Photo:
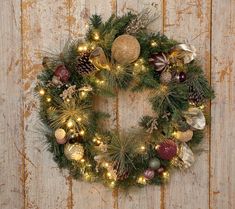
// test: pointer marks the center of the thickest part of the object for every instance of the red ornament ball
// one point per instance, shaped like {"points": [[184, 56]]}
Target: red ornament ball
{"points": [[149, 174], [62, 73], [167, 149]]}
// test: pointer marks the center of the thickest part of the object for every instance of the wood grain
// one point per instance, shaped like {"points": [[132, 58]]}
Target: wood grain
{"points": [[44, 28], [222, 182], [189, 21], [11, 138], [93, 195]]}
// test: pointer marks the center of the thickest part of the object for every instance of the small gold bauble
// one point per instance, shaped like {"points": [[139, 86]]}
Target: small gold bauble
{"points": [[125, 49], [60, 136], [74, 151], [184, 136]]}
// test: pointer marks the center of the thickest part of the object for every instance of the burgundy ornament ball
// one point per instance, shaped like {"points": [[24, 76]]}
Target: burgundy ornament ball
{"points": [[149, 174], [181, 76], [62, 73], [167, 149]]}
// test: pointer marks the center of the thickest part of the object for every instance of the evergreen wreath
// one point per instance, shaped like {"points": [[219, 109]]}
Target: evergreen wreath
{"points": [[121, 54]]}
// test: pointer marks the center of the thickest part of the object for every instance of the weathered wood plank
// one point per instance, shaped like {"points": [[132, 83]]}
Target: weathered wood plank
{"points": [[222, 182], [131, 107], [190, 21], [11, 149], [94, 195], [44, 28]]}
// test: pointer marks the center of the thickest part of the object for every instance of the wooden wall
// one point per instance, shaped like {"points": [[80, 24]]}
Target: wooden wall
{"points": [[29, 179]]}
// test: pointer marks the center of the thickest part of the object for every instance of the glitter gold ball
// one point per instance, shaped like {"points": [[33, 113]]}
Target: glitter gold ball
{"points": [[125, 49]]}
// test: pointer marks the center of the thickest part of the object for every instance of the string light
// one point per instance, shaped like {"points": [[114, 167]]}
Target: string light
{"points": [[174, 133], [69, 123], [166, 175], [82, 48], [141, 60], [106, 165], [96, 36], [157, 147], [112, 184], [142, 148], [83, 94], [136, 64], [82, 132], [48, 99], [67, 100], [109, 175], [42, 92], [79, 119], [100, 82], [87, 176], [153, 43], [202, 107], [119, 67], [82, 160], [141, 180]]}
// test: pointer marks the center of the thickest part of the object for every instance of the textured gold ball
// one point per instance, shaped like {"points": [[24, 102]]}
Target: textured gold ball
{"points": [[125, 49], [60, 136], [74, 151], [184, 136]]}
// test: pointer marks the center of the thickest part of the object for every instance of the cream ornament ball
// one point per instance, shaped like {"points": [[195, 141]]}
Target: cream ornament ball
{"points": [[60, 136], [125, 49]]}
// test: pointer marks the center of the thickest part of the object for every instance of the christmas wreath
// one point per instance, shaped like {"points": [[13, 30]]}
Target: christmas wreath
{"points": [[121, 54]]}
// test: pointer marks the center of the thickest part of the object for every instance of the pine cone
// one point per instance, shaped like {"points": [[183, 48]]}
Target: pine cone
{"points": [[84, 66], [121, 174], [195, 96]]}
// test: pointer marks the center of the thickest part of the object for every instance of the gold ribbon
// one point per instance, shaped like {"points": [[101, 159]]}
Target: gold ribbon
{"points": [[186, 52], [99, 59]]}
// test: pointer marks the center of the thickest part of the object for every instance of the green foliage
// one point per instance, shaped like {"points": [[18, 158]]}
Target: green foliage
{"points": [[197, 138], [172, 98], [168, 101], [198, 82]]}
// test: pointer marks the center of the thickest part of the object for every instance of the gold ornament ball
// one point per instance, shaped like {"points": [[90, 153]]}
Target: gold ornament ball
{"points": [[60, 136], [184, 136], [125, 49], [74, 151]]}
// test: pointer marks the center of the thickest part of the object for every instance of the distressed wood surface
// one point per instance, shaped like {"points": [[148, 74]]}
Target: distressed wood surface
{"points": [[84, 193], [189, 21], [11, 138], [131, 107], [222, 169], [29, 179], [44, 27]]}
